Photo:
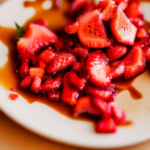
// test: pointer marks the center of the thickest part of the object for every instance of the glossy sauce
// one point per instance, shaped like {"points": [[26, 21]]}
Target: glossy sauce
{"points": [[8, 74]]}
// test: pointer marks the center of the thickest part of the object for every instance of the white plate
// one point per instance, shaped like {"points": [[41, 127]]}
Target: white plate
{"points": [[48, 123]]}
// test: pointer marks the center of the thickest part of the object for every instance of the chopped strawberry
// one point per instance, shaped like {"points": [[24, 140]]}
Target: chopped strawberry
{"points": [[106, 126], [123, 6], [61, 61], [36, 71], [52, 84], [141, 33], [42, 64], [36, 84], [118, 114], [72, 28], [84, 105], [147, 52], [123, 30], [80, 52], [103, 106], [98, 69], [77, 82], [109, 11], [135, 62], [53, 95], [47, 55], [42, 22], [91, 31], [36, 37], [26, 82], [116, 52], [104, 3], [69, 93], [13, 96], [59, 45], [24, 68]]}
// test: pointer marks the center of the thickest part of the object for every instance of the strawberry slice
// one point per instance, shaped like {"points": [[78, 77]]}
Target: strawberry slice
{"points": [[26, 82], [24, 68], [61, 61], [123, 30], [72, 28], [36, 71], [147, 52], [36, 37], [118, 114], [36, 84], [109, 11], [54, 95], [116, 52], [84, 105], [69, 93], [135, 62], [104, 3], [98, 69], [106, 126], [91, 31]]}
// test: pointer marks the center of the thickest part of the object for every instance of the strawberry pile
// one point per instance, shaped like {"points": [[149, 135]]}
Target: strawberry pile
{"points": [[102, 41]]}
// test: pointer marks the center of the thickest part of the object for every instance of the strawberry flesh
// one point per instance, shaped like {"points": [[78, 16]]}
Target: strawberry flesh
{"points": [[36, 84], [72, 28], [26, 82]]}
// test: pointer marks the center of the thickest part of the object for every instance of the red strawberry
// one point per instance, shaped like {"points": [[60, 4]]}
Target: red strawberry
{"points": [[36, 71], [91, 31], [147, 52], [135, 62], [103, 106], [84, 105], [120, 1], [42, 64], [72, 28], [77, 82], [123, 30], [138, 22], [36, 84], [42, 22], [116, 52], [109, 11], [24, 68], [98, 69], [123, 5], [80, 52], [26, 82], [106, 126], [61, 61], [104, 3], [141, 33], [47, 55], [53, 95], [36, 37], [69, 93], [52, 84], [59, 45], [118, 114]]}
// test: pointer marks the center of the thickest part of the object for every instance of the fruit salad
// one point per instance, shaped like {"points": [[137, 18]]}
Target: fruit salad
{"points": [[103, 41]]}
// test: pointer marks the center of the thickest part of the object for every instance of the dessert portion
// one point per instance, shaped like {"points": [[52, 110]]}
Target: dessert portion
{"points": [[102, 42]]}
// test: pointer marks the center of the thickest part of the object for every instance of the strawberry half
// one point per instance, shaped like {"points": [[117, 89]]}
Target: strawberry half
{"points": [[98, 69], [135, 62], [61, 61], [26, 82], [36, 84], [36, 37], [123, 30], [91, 31]]}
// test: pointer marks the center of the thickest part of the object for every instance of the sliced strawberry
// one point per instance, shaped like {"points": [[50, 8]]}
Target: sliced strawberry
{"points": [[123, 5], [77, 82], [98, 69], [69, 93], [53, 95], [106, 126], [104, 3], [116, 52], [118, 114], [52, 84], [109, 11], [42, 22], [147, 52], [26, 82], [42, 64], [61, 61], [118, 71], [47, 55], [123, 30], [36, 84], [103, 106], [59, 45], [141, 33], [80, 52], [36, 37], [72, 28], [24, 68], [98, 92], [91, 31], [36, 71], [84, 105], [135, 62]]}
